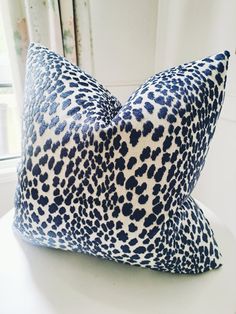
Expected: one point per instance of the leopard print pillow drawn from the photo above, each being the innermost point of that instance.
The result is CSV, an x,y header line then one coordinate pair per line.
x,y
115,180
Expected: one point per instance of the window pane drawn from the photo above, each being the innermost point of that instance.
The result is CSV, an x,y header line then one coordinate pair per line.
x,y
9,115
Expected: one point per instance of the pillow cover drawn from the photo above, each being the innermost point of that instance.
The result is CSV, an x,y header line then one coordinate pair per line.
x,y
115,181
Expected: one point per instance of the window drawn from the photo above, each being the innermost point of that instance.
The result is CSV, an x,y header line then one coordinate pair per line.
x,y
9,115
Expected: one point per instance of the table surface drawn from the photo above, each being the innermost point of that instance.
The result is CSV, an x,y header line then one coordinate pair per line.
x,y
37,280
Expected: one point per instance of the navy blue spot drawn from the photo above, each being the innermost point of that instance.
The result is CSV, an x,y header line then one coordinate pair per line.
x,y
132,161
138,100
140,250
73,111
73,84
160,100
138,214
58,167
125,248
29,164
52,208
131,183
167,142
127,209
57,220
147,128
143,199
159,174
66,94
120,179
220,56
158,133
219,79
132,227
122,236
220,67
34,193
134,137
138,114
40,211
160,219
124,149
43,200
60,128
66,138
35,218
149,107
171,118
151,95
66,103
145,153
149,220
47,145
162,112
51,234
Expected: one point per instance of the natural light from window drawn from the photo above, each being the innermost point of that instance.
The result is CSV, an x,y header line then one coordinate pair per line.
x,y
9,114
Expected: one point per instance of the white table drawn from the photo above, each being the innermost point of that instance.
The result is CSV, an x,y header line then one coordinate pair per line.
x,y
36,280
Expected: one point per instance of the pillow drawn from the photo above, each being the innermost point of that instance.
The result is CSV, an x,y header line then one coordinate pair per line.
x,y
115,180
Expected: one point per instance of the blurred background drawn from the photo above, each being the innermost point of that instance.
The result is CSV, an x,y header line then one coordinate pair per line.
x,y
121,43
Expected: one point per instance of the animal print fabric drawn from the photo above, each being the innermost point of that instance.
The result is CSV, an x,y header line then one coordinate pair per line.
x,y
115,180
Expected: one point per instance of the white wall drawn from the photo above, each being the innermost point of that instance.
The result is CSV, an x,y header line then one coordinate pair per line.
x,y
192,29
123,40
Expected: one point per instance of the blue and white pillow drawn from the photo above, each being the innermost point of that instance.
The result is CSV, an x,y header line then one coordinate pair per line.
x,y
115,180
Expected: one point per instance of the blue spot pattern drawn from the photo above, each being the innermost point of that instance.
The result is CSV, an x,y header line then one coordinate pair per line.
x,y
115,180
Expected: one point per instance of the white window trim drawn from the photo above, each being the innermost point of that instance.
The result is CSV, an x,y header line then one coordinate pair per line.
x,y
8,170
